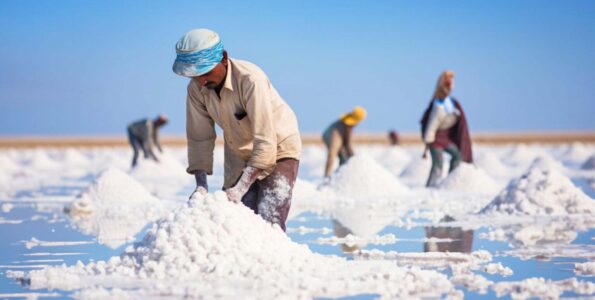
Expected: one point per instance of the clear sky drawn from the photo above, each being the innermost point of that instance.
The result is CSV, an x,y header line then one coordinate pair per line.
x,y
90,67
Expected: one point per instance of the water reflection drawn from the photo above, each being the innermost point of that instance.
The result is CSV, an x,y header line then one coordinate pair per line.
x,y
450,239
341,232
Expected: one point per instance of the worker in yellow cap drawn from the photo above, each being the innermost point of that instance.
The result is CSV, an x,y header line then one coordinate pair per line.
x,y
337,138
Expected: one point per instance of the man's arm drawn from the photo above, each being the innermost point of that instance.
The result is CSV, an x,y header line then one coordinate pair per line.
x,y
200,132
347,141
156,139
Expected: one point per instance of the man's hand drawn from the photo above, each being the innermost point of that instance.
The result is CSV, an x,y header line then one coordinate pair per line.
x,y
235,193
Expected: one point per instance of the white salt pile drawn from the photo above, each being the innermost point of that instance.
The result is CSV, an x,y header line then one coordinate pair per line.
x,y
74,158
541,192
7,165
417,171
363,177
490,162
394,159
497,268
546,162
577,152
40,161
469,178
164,178
589,164
520,155
541,288
233,253
115,207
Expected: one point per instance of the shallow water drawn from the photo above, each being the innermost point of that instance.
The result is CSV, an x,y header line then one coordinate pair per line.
x,y
35,210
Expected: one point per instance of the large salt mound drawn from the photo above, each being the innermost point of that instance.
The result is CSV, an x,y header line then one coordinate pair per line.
x,y
228,249
540,192
469,178
361,176
114,207
589,164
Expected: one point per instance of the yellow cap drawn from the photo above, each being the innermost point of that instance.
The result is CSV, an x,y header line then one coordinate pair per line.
x,y
352,118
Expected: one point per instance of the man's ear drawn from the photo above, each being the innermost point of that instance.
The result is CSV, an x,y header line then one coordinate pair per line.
x,y
224,60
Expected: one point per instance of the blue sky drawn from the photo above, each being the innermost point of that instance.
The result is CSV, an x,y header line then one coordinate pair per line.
x,y
90,67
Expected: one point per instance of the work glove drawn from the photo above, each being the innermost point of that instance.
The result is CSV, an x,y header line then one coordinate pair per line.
x,y
235,193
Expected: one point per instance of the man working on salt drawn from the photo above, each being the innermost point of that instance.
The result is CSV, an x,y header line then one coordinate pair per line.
x,y
262,140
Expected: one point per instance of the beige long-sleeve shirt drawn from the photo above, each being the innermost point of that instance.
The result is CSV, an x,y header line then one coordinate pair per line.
x,y
259,127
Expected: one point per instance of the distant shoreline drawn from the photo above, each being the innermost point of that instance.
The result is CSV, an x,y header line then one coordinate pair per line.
x,y
359,138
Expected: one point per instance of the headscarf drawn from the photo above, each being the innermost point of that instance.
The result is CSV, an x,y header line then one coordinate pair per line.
x,y
354,117
198,52
442,90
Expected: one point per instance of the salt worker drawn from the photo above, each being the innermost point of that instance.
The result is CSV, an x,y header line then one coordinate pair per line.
x,y
337,138
444,129
143,134
262,142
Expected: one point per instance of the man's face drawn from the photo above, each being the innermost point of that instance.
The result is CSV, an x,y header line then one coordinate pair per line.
x,y
216,76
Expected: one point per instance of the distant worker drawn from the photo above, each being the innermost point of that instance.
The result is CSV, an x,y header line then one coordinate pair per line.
x,y
337,138
393,137
444,129
143,134
260,130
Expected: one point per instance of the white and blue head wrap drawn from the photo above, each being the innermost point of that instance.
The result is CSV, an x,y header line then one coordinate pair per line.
x,y
198,52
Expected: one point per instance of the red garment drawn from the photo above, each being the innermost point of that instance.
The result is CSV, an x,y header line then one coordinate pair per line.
x,y
458,134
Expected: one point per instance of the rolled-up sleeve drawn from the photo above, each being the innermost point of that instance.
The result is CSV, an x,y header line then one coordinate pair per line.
x,y
200,132
259,107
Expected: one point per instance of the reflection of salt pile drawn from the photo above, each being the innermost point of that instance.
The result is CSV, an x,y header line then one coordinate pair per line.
x,y
364,177
394,159
469,178
226,247
417,171
490,162
114,207
540,192
589,164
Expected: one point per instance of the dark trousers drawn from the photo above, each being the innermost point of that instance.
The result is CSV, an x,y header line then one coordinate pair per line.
x,y
438,159
271,197
136,143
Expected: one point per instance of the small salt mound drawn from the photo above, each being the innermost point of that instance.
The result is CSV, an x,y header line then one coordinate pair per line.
x,y
469,178
225,246
489,162
7,165
577,152
520,155
362,176
546,162
417,171
164,178
394,159
540,192
114,208
41,161
589,164
73,157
